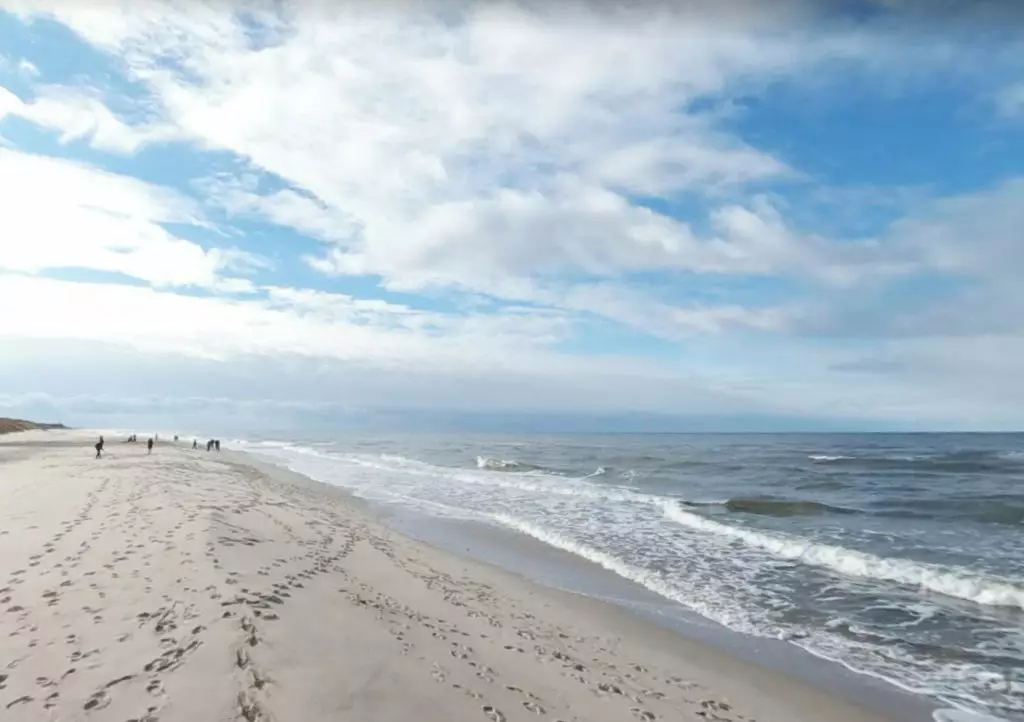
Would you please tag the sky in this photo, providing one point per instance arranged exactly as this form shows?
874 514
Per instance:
690 215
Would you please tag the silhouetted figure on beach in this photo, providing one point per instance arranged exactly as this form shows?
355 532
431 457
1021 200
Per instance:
217 444
149 446
101 442
209 444
99 449
195 444
175 437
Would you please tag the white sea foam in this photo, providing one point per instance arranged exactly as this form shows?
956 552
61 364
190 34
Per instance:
828 457
483 462
952 582
650 579
951 714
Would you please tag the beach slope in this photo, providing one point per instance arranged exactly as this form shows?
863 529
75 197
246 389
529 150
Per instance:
195 586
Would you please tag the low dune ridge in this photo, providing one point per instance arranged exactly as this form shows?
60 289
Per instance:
10 426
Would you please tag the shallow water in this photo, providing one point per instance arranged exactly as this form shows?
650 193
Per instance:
899 556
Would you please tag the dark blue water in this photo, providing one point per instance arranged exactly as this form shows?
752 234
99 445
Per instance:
899 556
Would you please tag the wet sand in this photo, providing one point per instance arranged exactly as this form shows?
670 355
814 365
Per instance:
194 586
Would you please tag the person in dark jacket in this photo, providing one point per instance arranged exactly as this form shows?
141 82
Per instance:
149 446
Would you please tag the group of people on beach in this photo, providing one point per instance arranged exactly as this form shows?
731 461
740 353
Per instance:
130 440
211 444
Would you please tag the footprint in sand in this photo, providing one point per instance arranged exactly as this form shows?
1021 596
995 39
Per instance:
21 700
493 714
642 714
99 700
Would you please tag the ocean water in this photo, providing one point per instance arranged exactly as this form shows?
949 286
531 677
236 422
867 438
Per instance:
897 556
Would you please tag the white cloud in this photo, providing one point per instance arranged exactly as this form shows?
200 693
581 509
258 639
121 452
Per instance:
328 348
292 322
665 320
662 167
976 234
1010 100
9 102
478 144
63 214
80 114
485 244
398 118
286 208
27 69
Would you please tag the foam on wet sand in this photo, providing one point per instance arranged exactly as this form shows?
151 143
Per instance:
185 585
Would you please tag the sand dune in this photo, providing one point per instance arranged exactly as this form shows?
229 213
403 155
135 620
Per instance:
10 426
191 586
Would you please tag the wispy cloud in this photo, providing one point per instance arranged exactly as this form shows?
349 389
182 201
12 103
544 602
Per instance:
78 114
63 214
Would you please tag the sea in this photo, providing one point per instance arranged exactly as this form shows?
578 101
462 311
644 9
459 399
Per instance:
896 556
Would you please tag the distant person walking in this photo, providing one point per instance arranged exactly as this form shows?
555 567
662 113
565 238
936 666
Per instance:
149 446
195 444
217 444
99 449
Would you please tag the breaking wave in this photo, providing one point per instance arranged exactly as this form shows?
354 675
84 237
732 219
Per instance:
948 581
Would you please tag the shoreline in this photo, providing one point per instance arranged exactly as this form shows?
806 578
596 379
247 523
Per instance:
269 595
516 554
588 580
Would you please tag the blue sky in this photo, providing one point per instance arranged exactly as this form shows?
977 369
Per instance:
777 218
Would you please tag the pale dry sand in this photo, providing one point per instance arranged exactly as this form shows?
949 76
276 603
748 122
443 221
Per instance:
193 586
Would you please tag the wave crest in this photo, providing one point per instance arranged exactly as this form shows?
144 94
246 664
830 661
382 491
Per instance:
483 462
951 582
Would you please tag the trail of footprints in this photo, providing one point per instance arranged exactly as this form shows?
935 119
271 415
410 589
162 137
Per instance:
110 513
178 627
478 601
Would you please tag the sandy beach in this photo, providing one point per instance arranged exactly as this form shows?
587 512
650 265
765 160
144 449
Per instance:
194 586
